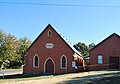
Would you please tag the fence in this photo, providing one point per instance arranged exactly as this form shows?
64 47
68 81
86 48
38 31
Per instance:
2 74
96 67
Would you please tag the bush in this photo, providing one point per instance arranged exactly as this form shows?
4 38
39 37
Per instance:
16 64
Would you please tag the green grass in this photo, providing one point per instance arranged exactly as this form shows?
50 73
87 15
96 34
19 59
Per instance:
115 79
21 77
107 78
18 76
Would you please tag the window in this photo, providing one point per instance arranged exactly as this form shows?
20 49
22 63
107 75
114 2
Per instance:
74 63
49 33
36 61
63 62
49 45
100 59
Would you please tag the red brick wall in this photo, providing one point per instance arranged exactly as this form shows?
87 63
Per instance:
60 48
110 47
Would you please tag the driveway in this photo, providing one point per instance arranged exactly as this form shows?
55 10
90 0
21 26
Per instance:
11 72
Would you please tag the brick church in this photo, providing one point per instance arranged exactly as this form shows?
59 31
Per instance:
52 53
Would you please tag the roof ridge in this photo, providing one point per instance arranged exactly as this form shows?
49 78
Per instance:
64 39
68 42
105 40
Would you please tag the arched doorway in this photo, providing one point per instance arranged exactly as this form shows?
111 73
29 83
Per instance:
49 66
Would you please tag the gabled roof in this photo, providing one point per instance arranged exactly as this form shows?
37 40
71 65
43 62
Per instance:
114 34
62 37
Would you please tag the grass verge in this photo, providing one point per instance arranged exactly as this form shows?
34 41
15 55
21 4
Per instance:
97 77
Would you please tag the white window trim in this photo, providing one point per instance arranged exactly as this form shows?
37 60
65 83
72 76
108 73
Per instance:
46 61
74 64
49 45
61 62
101 60
34 61
48 33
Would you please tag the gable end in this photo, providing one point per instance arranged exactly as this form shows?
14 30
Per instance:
62 38
38 36
114 34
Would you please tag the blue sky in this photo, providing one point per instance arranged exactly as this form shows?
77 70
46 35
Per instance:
88 24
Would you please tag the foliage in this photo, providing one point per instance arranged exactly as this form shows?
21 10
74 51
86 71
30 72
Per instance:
2 49
83 48
12 50
10 45
24 44
90 46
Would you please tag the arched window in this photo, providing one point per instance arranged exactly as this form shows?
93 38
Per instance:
63 62
49 33
36 61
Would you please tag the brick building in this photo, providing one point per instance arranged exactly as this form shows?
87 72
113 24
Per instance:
106 55
52 53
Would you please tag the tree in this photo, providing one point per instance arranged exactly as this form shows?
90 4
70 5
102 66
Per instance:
91 45
10 47
13 50
24 44
2 37
83 48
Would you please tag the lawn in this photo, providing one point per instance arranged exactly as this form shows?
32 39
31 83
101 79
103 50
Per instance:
108 80
93 77
103 78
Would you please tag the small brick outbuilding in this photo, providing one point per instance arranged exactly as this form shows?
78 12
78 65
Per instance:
106 55
52 53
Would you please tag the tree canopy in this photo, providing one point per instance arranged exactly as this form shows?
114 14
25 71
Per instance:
13 49
83 48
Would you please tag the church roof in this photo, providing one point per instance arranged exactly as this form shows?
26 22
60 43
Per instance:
62 37
114 34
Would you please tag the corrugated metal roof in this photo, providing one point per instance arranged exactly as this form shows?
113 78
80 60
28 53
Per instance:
68 42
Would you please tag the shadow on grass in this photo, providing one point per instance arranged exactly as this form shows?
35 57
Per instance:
109 78
91 79
19 76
